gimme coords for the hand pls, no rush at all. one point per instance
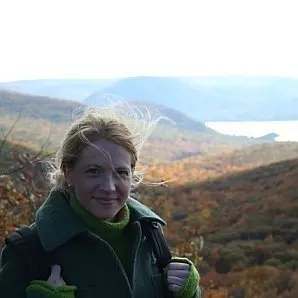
(55, 278)
(177, 275)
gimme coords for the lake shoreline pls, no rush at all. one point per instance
(286, 130)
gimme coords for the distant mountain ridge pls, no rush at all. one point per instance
(58, 110)
(204, 99)
(62, 89)
(44, 117)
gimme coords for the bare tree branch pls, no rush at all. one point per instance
(8, 133)
(39, 156)
(22, 167)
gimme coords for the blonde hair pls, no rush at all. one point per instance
(125, 124)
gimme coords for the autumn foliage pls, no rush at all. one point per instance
(240, 229)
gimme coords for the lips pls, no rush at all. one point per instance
(105, 201)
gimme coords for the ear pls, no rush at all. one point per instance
(68, 175)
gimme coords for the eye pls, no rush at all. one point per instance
(123, 173)
(93, 171)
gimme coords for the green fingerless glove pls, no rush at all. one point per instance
(47, 290)
(192, 284)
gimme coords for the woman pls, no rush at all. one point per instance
(93, 226)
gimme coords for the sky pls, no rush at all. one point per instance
(48, 39)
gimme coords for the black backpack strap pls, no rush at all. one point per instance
(154, 233)
(26, 242)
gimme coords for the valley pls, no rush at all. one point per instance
(230, 203)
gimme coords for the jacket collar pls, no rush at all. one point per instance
(56, 223)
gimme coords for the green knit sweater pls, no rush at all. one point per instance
(118, 237)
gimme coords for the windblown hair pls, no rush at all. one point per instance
(125, 124)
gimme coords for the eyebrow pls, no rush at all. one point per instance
(98, 166)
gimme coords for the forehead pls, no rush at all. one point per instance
(97, 154)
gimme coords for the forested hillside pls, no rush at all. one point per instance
(239, 229)
(202, 167)
(249, 226)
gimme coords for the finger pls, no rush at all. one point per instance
(174, 288)
(56, 270)
(178, 273)
(56, 281)
(176, 280)
(178, 266)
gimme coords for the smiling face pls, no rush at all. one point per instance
(102, 182)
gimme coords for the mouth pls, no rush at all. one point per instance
(106, 201)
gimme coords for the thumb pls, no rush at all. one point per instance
(55, 270)
(55, 276)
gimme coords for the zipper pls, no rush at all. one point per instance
(136, 250)
(116, 258)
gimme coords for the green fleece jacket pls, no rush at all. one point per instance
(122, 240)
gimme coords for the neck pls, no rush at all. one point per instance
(107, 228)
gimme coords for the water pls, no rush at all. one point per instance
(287, 130)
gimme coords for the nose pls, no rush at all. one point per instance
(107, 183)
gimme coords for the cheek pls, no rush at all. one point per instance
(84, 185)
(125, 187)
